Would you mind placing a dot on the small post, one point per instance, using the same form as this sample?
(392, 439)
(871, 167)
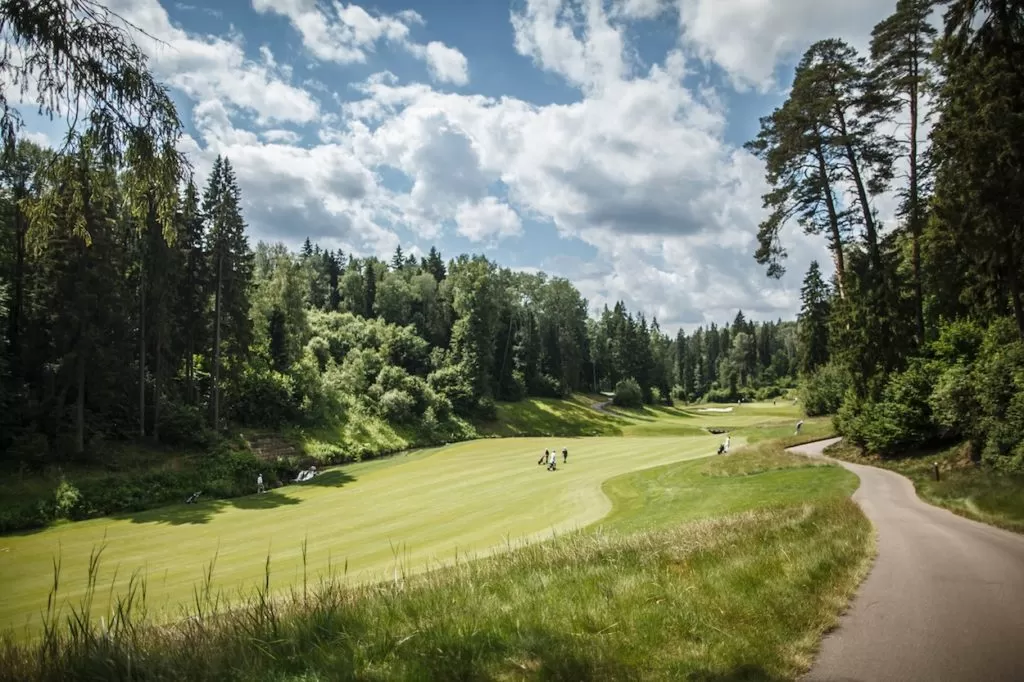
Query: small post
(935, 468)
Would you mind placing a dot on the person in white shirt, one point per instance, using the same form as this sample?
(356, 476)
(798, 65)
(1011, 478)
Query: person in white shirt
(728, 441)
(552, 460)
(259, 484)
(799, 424)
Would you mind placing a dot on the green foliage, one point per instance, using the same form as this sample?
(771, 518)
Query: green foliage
(628, 394)
(822, 391)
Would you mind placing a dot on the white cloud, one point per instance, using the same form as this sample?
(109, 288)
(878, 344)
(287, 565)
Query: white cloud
(209, 67)
(486, 219)
(345, 34)
(637, 168)
(446, 64)
(749, 38)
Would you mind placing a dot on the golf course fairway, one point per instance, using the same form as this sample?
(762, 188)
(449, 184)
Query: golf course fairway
(402, 513)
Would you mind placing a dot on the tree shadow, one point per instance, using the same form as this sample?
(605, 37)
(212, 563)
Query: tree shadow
(203, 512)
(567, 419)
(334, 478)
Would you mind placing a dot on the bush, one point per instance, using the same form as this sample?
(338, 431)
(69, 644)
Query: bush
(397, 406)
(954, 403)
(184, 425)
(769, 392)
(452, 383)
(628, 394)
(264, 399)
(546, 386)
(823, 391)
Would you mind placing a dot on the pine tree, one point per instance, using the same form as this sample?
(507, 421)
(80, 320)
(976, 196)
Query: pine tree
(231, 265)
(813, 320)
(901, 49)
(369, 288)
(398, 259)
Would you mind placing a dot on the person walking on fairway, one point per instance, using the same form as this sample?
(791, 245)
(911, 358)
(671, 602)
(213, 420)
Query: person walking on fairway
(799, 424)
(552, 460)
(565, 455)
(545, 457)
(728, 441)
(260, 488)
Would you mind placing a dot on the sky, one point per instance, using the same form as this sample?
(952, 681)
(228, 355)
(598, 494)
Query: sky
(597, 140)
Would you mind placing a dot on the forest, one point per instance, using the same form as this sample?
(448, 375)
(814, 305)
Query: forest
(134, 309)
(917, 339)
(122, 328)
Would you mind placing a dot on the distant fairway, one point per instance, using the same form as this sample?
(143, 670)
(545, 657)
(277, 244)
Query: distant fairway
(407, 511)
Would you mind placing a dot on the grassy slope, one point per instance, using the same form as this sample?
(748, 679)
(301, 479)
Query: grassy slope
(479, 493)
(745, 597)
(973, 492)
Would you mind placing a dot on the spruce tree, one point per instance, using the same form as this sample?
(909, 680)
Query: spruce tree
(813, 320)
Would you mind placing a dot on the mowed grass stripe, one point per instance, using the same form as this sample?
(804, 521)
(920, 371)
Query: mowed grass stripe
(466, 498)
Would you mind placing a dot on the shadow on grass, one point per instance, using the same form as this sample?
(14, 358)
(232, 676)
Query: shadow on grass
(203, 512)
(335, 478)
(554, 418)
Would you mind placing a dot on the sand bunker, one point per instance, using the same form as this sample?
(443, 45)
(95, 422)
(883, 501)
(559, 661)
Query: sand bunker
(714, 409)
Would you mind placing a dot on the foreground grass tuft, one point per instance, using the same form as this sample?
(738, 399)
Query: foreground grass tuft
(969, 490)
(746, 596)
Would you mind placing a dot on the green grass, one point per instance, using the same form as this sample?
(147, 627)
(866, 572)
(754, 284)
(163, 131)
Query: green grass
(975, 492)
(761, 476)
(742, 597)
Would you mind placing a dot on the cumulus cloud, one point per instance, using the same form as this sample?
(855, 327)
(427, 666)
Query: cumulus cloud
(749, 38)
(347, 33)
(487, 219)
(211, 67)
(637, 168)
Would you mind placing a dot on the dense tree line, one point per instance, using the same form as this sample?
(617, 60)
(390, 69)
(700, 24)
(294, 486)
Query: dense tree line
(118, 326)
(134, 307)
(918, 336)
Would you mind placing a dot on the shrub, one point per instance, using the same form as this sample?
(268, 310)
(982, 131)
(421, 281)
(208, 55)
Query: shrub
(263, 398)
(397, 406)
(628, 394)
(66, 500)
(546, 386)
(954, 403)
(452, 383)
(823, 391)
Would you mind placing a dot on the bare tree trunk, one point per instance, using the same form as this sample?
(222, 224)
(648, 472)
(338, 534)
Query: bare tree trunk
(915, 209)
(1015, 300)
(14, 331)
(836, 236)
(142, 353)
(157, 381)
(216, 342)
(80, 406)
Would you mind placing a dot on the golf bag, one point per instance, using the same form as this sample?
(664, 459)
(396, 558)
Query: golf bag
(193, 498)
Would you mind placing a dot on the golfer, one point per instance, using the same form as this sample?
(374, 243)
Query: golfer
(259, 484)
(565, 455)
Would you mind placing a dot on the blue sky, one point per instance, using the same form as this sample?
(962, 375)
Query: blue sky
(600, 140)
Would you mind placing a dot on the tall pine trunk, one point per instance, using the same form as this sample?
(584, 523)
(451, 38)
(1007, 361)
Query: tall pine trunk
(836, 237)
(862, 194)
(915, 209)
(14, 331)
(216, 342)
(80, 405)
(142, 352)
(157, 380)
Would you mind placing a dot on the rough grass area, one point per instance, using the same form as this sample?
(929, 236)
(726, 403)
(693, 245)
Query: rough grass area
(970, 490)
(747, 596)
(757, 477)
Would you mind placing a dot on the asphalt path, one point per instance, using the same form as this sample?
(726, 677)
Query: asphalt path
(944, 601)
